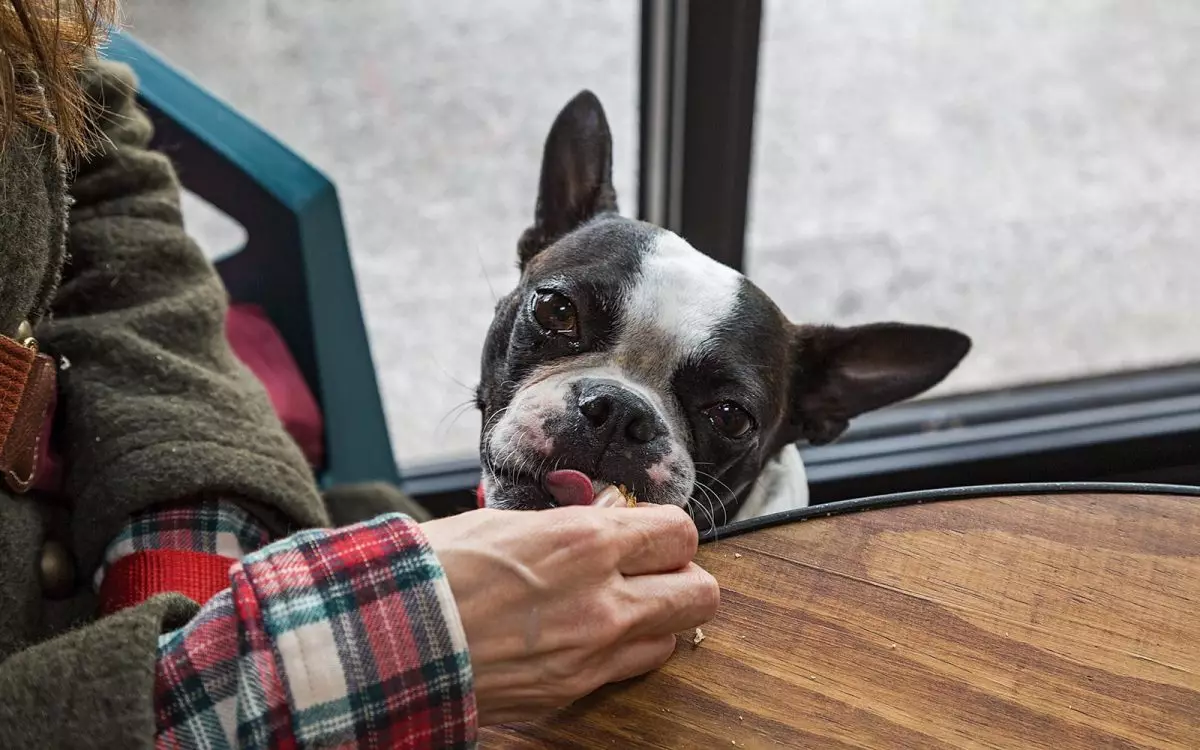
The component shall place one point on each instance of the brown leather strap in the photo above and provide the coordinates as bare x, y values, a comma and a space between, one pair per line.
16, 361
27, 391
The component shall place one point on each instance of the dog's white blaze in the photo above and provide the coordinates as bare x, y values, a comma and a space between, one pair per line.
681, 295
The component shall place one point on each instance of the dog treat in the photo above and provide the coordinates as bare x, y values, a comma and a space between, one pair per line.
630, 498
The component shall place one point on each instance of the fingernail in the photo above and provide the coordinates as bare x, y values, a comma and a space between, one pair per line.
610, 497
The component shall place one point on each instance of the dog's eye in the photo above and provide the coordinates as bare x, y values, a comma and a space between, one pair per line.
730, 420
555, 313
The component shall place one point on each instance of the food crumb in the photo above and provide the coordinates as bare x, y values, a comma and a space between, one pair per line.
699, 636
812, 677
630, 498
892, 646
64, 363
740, 719
737, 556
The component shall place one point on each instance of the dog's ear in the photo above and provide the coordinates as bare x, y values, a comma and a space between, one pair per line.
839, 373
576, 182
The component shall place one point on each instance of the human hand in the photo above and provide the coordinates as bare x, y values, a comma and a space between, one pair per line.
556, 603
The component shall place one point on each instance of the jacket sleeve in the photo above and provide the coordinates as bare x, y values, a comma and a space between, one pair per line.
154, 407
92, 687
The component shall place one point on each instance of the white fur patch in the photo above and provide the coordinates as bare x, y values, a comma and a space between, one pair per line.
520, 427
680, 297
782, 485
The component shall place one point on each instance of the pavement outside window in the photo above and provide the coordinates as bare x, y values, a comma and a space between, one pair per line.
1026, 172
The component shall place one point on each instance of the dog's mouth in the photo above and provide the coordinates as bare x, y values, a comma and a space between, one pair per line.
570, 487
555, 488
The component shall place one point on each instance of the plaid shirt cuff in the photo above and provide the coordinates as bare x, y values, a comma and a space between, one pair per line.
341, 638
216, 527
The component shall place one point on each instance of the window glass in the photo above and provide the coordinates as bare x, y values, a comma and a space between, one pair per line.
1028, 172
429, 117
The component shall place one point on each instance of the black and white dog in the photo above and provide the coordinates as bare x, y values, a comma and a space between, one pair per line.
626, 356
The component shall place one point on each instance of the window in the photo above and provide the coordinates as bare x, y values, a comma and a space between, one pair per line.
1023, 175
222, 236
1026, 173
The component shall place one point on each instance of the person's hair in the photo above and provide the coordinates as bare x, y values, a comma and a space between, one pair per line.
53, 39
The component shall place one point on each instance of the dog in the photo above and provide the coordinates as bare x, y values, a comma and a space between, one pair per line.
627, 357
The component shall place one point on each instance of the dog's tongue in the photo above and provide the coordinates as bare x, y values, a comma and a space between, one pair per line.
570, 487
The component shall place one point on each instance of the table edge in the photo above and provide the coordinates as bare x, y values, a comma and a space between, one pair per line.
943, 494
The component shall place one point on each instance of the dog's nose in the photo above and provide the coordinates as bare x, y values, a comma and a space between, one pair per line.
619, 411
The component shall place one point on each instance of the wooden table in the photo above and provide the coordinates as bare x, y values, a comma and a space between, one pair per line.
1059, 621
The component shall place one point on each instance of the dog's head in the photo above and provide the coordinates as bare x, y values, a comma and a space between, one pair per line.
628, 357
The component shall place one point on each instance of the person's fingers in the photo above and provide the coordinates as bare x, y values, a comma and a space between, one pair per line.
609, 497
657, 539
638, 657
670, 602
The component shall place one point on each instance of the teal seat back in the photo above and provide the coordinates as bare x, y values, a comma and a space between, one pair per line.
295, 263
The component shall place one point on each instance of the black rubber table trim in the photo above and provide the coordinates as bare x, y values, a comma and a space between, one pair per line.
880, 502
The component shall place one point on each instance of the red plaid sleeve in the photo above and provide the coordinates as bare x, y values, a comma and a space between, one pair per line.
343, 638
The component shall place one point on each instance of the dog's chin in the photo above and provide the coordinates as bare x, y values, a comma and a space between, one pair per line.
521, 494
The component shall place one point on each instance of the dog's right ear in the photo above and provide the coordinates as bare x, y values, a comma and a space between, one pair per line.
576, 182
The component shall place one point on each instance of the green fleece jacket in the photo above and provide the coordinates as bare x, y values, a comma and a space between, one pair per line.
153, 408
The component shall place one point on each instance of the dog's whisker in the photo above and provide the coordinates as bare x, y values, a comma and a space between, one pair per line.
712, 523
452, 379
453, 415
708, 512
486, 277
732, 494
491, 424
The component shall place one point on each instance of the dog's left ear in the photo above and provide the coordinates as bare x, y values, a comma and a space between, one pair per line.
840, 373
576, 182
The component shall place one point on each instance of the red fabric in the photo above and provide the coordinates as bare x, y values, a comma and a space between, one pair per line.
479, 495
135, 578
257, 343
